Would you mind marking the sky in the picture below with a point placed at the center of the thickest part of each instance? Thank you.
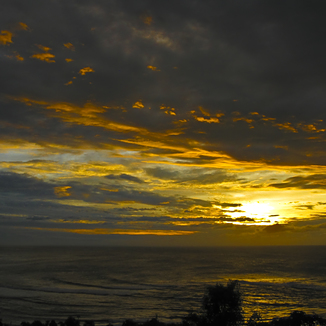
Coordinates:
(168, 123)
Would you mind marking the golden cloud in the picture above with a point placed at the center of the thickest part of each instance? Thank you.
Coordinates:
(286, 126)
(138, 105)
(210, 120)
(168, 109)
(43, 48)
(5, 37)
(83, 71)
(116, 231)
(54, 168)
(23, 26)
(69, 46)
(89, 115)
(17, 56)
(47, 57)
(147, 20)
(153, 68)
(203, 111)
(79, 221)
(62, 191)
(243, 119)
(311, 128)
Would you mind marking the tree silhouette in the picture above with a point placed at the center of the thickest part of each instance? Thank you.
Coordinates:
(223, 305)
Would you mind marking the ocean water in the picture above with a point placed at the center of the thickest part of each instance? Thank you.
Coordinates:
(113, 284)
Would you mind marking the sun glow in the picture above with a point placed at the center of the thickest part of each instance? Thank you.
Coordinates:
(255, 210)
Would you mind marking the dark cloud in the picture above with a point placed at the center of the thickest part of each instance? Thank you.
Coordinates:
(310, 207)
(196, 176)
(315, 181)
(237, 219)
(124, 176)
(22, 184)
(225, 205)
(249, 52)
(13, 186)
(276, 228)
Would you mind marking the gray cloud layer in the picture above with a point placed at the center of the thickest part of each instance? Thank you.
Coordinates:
(268, 56)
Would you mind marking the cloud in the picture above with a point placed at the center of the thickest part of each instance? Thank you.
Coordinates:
(315, 181)
(62, 191)
(25, 185)
(46, 56)
(85, 70)
(144, 116)
(5, 37)
(138, 105)
(275, 228)
(17, 56)
(124, 176)
(195, 176)
(69, 46)
(118, 231)
(33, 188)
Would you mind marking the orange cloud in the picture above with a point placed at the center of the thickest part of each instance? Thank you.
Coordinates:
(153, 68)
(80, 221)
(23, 26)
(264, 118)
(47, 57)
(17, 56)
(83, 71)
(283, 147)
(147, 20)
(286, 126)
(243, 119)
(5, 37)
(203, 111)
(210, 120)
(62, 191)
(117, 231)
(69, 46)
(138, 105)
(69, 60)
(46, 167)
(111, 190)
(43, 48)
(168, 110)
(311, 128)
(87, 115)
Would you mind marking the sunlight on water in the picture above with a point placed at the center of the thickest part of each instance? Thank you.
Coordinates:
(114, 284)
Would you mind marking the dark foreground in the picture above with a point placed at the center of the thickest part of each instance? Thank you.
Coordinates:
(221, 306)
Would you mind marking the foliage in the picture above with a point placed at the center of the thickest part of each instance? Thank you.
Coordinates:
(299, 318)
(223, 304)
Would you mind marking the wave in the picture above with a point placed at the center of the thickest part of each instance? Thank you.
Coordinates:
(290, 284)
(102, 292)
(127, 285)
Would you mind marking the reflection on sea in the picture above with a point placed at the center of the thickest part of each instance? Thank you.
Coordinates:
(117, 283)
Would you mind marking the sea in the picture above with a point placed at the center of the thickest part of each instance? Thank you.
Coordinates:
(112, 284)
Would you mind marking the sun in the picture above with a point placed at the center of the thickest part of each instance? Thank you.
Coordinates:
(256, 210)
